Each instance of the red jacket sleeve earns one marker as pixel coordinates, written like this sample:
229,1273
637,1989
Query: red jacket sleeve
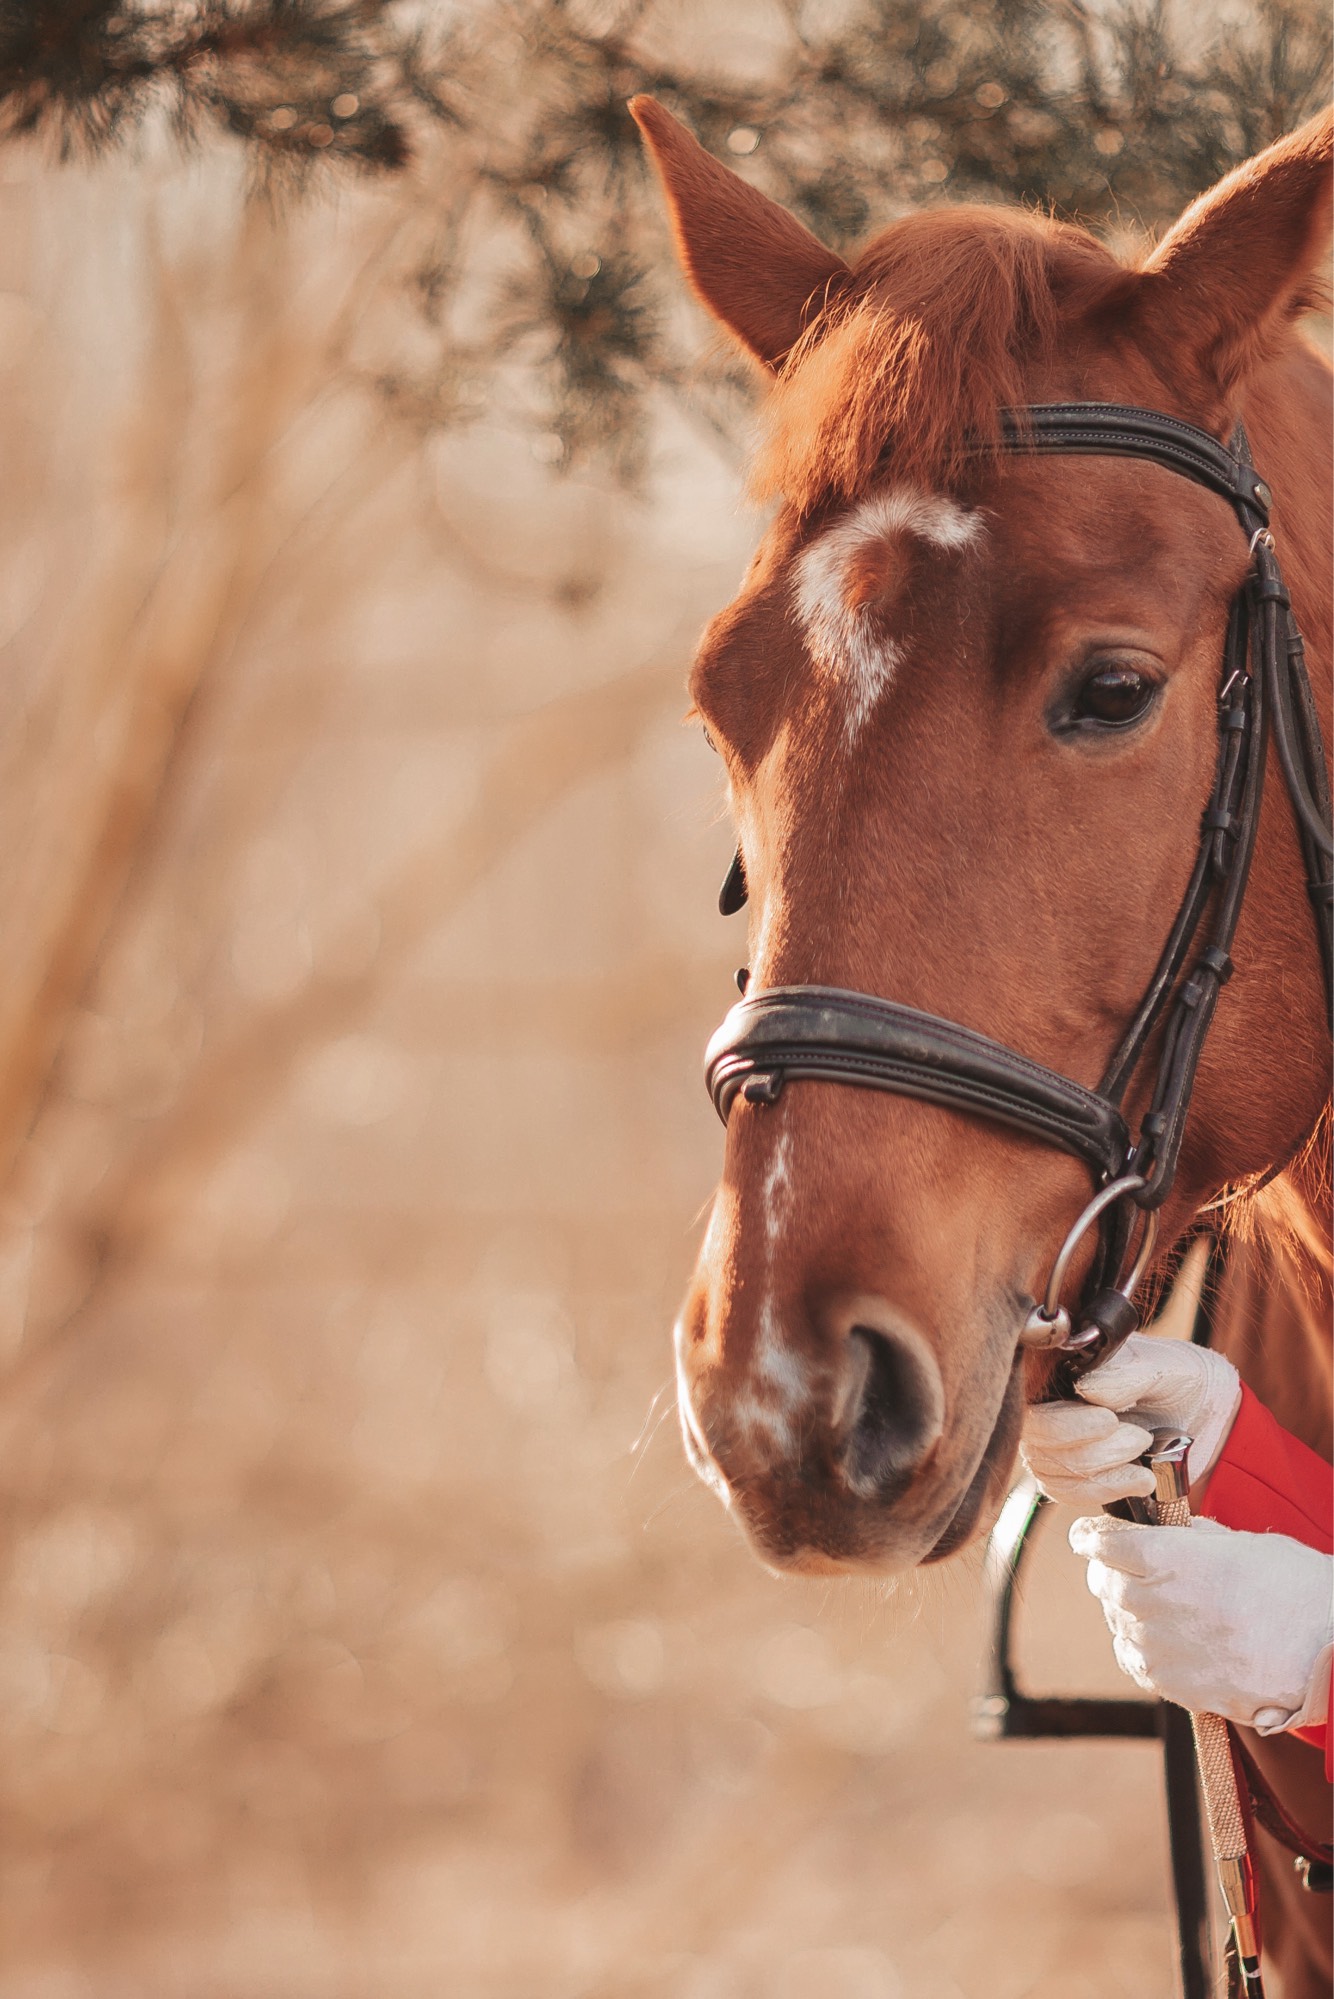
1267,1482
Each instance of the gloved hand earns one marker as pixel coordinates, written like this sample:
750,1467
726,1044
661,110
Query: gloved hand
1084,1452
1216,1620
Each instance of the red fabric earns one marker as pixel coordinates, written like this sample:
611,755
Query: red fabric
1267,1482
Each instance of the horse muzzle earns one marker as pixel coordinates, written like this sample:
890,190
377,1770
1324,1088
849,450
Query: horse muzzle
831,1449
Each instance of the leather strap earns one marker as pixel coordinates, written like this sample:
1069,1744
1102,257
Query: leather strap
1112,430
835,1036
1271,1813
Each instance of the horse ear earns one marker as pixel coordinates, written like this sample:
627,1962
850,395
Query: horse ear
751,263
1227,277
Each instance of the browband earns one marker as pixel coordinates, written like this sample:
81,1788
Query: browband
1110,430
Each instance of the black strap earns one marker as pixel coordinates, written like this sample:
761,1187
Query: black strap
1211,861
848,1037
1113,430
1227,849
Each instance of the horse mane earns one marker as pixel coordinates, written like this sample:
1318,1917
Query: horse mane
944,318
1288,1216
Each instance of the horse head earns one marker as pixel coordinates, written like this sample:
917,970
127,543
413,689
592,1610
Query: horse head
966,701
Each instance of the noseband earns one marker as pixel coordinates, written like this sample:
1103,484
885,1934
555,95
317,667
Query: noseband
794,1032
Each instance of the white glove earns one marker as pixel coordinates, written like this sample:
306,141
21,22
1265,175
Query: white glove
1216,1620
1086,1455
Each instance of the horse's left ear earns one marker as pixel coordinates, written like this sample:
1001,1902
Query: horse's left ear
1225,279
754,266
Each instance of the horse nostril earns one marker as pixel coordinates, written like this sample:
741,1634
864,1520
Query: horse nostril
895,1412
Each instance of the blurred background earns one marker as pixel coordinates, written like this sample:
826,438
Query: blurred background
368,478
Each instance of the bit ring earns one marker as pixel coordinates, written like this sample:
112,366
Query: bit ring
1048,1324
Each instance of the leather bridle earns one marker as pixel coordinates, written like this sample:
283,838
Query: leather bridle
789,1033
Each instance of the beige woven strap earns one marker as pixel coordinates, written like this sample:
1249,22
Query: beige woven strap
1218,1780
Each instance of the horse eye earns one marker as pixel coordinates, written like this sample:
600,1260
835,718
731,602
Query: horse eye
709,740
1114,695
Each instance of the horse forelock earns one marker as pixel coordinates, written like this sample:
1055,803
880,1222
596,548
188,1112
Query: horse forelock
946,319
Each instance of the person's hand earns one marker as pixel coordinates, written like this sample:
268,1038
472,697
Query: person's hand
1216,1620
1085,1452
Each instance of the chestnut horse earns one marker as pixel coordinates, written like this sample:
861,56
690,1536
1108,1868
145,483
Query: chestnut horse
966,703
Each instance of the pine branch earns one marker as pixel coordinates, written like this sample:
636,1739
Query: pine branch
295,80
514,114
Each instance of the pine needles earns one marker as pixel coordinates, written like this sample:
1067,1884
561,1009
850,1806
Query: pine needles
294,80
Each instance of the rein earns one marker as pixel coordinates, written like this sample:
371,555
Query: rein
790,1033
